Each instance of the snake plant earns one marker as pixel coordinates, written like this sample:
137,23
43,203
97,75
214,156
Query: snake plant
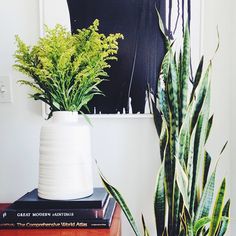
184,202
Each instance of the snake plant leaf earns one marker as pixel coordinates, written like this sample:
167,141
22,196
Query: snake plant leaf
157,118
206,199
163,143
205,233
200,224
206,167
197,78
173,134
182,233
209,127
201,93
184,77
223,148
224,223
177,206
184,138
118,197
162,28
164,136
199,142
160,201
145,230
173,92
180,63
162,87
183,223
182,181
165,232
218,209
189,224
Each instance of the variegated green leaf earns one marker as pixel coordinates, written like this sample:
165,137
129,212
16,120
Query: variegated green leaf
184,77
117,196
225,145
224,223
201,92
163,140
177,207
182,181
209,127
157,118
200,224
206,199
162,28
160,202
165,232
173,135
199,142
145,230
162,87
206,167
197,78
184,139
189,223
218,208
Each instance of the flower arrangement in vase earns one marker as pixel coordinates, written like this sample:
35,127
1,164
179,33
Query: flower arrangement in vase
65,72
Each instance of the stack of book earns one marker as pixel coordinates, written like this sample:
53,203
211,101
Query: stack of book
30,212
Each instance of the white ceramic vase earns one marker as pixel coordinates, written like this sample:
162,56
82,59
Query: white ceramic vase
65,169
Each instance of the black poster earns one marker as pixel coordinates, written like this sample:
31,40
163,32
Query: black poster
140,53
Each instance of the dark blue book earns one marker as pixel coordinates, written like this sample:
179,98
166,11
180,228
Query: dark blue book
6,223
42,215
31,201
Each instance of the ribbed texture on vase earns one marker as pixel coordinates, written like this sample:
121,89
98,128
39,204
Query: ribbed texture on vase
65,160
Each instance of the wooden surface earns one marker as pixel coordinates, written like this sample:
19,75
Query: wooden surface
115,229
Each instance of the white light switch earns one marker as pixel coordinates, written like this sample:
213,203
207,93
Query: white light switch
5,89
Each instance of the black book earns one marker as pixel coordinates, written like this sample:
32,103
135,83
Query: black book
31,201
105,222
42,215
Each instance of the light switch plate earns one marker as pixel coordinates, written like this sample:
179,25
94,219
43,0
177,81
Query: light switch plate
5,89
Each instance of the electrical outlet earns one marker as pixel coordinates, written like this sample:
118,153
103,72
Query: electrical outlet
5,89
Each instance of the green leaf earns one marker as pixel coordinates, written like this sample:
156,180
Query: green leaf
218,208
209,127
199,142
173,133
160,202
162,87
184,138
224,223
201,93
157,118
206,167
117,196
197,79
182,181
200,224
184,78
225,145
206,199
164,136
162,28
165,232
146,232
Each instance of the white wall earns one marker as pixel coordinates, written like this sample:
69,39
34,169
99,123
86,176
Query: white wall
136,162
217,12
233,114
